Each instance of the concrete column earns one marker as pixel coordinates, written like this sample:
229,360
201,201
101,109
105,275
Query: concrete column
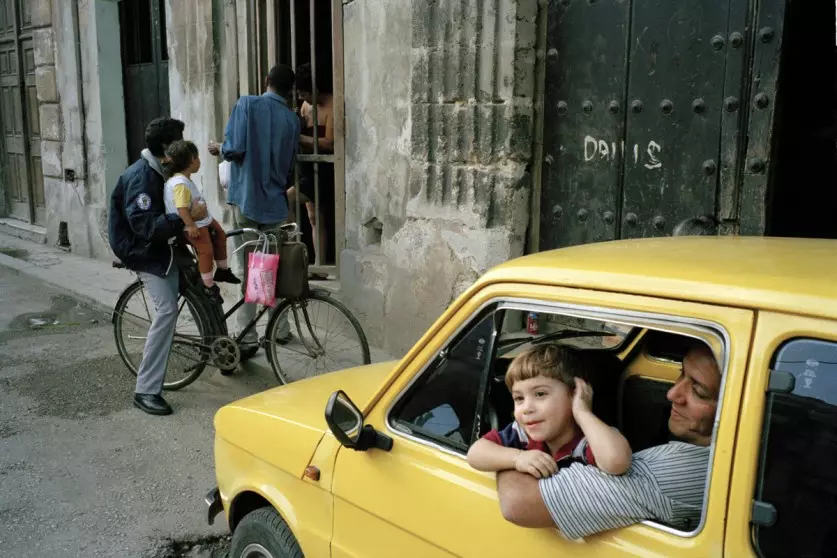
193,85
103,95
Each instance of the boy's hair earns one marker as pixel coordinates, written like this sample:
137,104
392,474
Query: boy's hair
161,132
179,157
550,361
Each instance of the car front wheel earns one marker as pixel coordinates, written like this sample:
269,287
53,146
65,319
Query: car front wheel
264,534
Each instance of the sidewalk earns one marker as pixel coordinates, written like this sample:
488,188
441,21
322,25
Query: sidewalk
94,282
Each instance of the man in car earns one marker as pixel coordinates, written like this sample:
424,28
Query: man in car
665,483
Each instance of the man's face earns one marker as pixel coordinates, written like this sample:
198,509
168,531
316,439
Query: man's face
694,398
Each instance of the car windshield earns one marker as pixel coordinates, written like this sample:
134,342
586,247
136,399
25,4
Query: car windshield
523,329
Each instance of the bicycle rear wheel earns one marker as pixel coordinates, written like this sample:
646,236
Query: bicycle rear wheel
325,337
189,352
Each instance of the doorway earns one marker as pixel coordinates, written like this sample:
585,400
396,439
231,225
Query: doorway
19,115
145,68
804,177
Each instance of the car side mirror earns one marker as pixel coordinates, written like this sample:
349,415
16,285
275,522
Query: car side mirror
346,423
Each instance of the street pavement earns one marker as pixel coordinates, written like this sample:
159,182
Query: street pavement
82,472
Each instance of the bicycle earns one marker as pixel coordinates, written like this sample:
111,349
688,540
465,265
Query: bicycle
201,338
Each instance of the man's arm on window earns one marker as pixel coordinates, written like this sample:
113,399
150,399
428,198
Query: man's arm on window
520,500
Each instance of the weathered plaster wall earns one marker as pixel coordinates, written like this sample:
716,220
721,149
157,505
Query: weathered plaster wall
79,85
193,86
439,135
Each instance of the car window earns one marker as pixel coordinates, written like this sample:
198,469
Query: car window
798,477
588,333
442,405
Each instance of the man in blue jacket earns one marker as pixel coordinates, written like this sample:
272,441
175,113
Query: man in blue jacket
141,235
261,139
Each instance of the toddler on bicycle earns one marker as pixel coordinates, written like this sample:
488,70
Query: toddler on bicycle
182,197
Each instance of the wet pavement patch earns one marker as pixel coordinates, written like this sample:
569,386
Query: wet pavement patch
88,388
17,253
65,311
7,430
216,546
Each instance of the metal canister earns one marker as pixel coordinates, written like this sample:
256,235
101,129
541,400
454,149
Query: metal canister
532,322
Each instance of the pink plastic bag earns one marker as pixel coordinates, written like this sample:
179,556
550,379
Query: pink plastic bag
261,278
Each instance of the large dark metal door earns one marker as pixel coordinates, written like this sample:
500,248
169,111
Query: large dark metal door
145,67
23,180
641,109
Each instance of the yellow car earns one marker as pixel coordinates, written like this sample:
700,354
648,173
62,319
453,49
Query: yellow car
371,461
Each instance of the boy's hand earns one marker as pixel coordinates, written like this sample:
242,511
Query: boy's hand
536,463
192,231
582,397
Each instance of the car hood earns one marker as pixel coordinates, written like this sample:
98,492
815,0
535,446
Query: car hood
283,425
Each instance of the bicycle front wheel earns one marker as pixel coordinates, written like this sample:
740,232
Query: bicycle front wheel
313,336
189,354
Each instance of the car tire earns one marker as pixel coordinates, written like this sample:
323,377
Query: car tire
264,534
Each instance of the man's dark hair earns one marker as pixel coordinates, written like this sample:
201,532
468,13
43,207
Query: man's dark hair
179,157
281,79
304,81
161,132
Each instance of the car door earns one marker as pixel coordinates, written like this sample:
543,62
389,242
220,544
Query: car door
784,486
421,499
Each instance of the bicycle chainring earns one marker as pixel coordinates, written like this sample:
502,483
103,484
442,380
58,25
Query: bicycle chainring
225,353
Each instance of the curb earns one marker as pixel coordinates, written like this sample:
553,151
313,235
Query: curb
25,268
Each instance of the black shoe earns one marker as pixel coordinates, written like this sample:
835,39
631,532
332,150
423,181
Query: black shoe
248,351
214,294
226,276
153,404
284,340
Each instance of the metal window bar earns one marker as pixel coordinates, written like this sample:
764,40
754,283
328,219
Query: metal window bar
317,158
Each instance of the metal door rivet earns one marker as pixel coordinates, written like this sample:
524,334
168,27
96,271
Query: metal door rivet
698,105
766,34
709,167
587,107
631,219
582,215
557,211
757,165
552,53
736,40
608,217
731,104
562,107
762,100
613,107
717,42
636,106
666,106
659,222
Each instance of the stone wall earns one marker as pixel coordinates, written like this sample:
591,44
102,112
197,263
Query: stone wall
439,135
82,120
